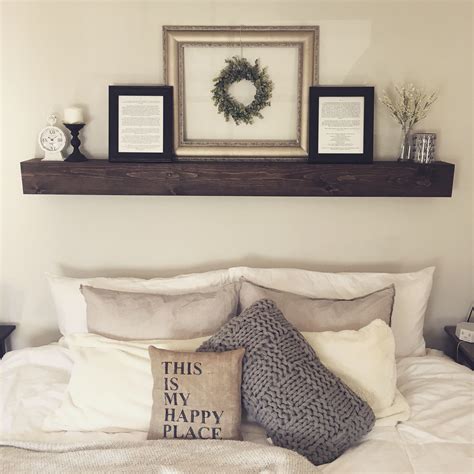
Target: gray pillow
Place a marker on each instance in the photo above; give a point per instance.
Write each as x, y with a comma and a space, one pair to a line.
128, 315
317, 314
300, 403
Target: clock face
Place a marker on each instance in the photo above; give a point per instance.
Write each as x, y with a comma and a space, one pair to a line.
52, 139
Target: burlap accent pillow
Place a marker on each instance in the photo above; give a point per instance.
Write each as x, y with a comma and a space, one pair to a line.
285, 388
196, 395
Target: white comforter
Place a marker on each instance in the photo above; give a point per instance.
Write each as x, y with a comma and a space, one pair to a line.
438, 437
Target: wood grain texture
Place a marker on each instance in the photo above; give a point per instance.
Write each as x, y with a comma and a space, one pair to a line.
220, 178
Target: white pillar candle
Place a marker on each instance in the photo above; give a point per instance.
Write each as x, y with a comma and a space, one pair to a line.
73, 115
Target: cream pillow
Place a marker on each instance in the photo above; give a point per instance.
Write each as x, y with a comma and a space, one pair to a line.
111, 384
365, 361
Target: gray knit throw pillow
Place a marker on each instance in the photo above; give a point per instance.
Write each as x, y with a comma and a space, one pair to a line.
301, 404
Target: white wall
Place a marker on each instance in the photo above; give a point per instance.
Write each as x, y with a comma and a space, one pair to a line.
58, 54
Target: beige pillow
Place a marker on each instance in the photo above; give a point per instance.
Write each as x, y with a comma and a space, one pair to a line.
196, 395
317, 314
131, 316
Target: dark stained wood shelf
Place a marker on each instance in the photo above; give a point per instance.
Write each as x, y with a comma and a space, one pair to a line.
220, 178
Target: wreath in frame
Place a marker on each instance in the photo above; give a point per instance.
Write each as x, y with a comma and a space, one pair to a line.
238, 69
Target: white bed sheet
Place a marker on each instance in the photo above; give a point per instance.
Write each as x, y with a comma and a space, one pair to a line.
32, 384
438, 437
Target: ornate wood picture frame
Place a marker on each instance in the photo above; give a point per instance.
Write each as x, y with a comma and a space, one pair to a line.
194, 56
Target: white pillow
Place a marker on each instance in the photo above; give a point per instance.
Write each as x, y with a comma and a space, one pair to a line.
110, 389
363, 359
71, 307
412, 291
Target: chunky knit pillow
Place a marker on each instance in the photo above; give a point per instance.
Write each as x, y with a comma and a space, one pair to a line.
300, 403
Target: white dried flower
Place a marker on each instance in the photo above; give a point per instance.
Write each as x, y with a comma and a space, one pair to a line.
409, 104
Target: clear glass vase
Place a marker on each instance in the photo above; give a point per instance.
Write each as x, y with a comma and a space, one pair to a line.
406, 152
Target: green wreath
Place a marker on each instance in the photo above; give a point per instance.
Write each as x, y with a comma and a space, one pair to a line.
239, 69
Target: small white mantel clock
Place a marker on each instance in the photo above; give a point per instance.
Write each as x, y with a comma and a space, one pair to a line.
52, 141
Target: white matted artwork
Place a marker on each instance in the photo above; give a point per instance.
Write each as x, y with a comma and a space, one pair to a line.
140, 124
195, 56
341, 125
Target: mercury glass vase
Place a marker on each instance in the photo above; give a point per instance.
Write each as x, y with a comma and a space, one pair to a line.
406, 151
424, 147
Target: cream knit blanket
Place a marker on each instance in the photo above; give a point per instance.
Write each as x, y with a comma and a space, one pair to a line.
162, 456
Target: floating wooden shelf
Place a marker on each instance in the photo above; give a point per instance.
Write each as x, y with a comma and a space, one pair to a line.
220, 178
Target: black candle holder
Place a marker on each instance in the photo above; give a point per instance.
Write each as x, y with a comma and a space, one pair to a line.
76, 155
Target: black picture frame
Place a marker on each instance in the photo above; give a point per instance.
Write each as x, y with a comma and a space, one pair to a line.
367, 92
115, 92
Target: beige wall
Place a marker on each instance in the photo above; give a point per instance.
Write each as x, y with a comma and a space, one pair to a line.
57, 54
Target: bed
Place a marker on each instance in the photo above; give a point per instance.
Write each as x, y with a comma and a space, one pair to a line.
437, 437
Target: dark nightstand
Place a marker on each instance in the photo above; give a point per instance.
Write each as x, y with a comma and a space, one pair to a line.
5, 331
463, 351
